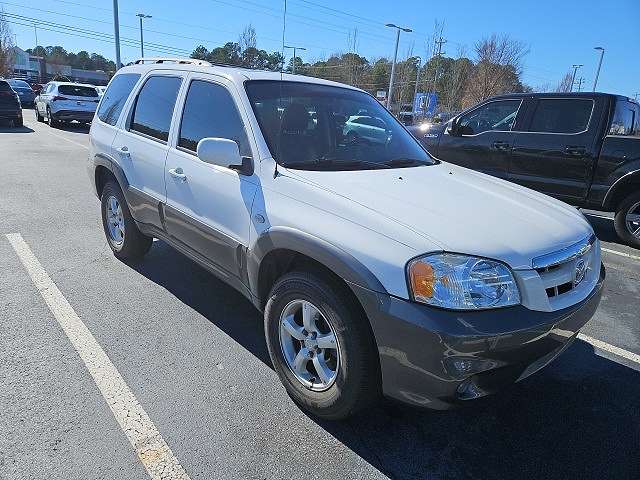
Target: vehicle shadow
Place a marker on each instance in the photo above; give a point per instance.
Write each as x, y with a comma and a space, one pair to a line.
603, 227
4, 128
74, 127
577, 418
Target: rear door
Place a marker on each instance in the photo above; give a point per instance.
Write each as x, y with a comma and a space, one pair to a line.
77, 98
484, 137
556, 152
8, 98
140, 148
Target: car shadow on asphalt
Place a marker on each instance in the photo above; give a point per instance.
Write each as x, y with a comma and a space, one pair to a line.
577, 418
74, 127
4, 128
603, 227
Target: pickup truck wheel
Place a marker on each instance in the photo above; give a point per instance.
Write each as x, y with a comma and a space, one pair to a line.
123, 236
627, 220
321, 347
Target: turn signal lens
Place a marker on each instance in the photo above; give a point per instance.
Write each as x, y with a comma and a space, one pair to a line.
462, 282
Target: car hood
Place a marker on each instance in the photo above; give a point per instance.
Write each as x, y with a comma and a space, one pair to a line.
458, 210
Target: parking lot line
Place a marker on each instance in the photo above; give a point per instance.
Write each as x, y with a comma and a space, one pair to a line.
153, 451
620, 352
64, 138
622, 254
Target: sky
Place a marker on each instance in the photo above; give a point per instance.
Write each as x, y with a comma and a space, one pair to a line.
558, 34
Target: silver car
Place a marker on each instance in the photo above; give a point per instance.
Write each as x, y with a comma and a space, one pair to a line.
65, 102
25, 93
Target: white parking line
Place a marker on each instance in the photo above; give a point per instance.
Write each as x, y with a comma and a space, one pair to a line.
620, 352
153, 451
622, 254
61, 137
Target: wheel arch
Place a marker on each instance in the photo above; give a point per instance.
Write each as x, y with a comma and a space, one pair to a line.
105, 168
625, 185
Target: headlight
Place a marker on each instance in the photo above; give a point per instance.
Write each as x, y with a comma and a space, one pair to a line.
461, 282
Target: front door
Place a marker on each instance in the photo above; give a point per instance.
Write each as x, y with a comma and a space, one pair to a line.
209, 206
483, 138
556, 152
141, 147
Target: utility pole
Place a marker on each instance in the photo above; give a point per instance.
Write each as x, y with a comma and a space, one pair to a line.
294, 48
436, 57
395, 59
580, 81
35, 30
595, 82
573, 78
141, 16
116, 32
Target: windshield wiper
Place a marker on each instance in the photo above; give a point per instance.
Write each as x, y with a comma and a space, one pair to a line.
348, 163
404, 162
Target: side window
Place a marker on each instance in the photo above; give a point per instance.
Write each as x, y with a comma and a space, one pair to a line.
209, 111
153, 109
115, 97
500, 115
561, 115
623, 119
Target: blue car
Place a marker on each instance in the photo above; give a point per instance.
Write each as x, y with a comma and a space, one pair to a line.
25, 93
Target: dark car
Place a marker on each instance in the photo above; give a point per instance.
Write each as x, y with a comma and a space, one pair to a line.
10, 108
25, 92
583, 148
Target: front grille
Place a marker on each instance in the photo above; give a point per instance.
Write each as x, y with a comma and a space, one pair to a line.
563, 271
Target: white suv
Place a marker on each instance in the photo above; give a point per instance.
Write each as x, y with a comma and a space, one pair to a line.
380, 270
63, 102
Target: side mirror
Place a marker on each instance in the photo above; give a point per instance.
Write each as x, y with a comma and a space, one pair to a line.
454, 127
225, 153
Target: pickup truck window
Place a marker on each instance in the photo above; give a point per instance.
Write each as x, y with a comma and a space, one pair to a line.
561, 115
499, 115
209, 111
308, 126
624, 119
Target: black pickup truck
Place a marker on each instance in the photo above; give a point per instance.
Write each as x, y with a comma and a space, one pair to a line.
583, 148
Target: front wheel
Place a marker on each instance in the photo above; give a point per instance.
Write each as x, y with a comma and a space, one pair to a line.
321, 346
123, 236
627, 220
50, 120
39, 117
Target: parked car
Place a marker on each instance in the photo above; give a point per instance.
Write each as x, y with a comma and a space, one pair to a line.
25, 93
364, 127
583, 148
378, 269
63, 102
10, 108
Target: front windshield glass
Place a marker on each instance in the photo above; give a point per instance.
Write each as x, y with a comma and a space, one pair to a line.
319, 127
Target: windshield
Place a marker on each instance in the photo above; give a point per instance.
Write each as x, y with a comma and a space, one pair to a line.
19, 84
320, 127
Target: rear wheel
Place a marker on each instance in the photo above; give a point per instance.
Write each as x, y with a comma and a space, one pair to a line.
50, 120
123, 236
39, 117
17, 123
321, 346
627, 220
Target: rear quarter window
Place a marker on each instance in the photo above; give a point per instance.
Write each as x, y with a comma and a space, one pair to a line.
116, 96
77, 91
561, 115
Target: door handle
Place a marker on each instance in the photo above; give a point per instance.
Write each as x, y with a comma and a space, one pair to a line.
501, 145
575, 151
124, 151
178, 174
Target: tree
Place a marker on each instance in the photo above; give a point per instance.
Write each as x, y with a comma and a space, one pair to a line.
7, 53
201, 53
565, 84
247, 38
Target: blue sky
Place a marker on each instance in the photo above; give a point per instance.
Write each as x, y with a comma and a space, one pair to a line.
558, 33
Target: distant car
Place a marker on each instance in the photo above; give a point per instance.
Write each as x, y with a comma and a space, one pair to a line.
10, 107
65, 102
371, 129
36, 87
25, 92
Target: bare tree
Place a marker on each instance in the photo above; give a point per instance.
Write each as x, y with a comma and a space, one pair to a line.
7, 54
498, 67
565, 84
247, 38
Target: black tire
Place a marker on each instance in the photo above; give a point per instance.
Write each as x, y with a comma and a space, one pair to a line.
620, 221
39, 117
18, 123
50, 120
135, 244
357, 384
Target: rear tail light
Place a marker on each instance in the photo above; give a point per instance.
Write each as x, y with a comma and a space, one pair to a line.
58, 97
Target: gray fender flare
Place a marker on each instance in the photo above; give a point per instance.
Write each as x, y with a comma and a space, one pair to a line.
101, 160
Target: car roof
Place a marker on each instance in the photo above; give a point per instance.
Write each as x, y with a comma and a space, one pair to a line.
235, 74
558, 95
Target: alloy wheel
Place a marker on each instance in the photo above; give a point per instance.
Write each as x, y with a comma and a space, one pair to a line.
632, 220
115, 221
309, 345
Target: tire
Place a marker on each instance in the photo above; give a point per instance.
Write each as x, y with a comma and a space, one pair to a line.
39, 117
18, 123
50, 120
356, 383
629, 206
133, 244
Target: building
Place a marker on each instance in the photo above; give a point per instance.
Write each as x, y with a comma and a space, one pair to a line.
37, 69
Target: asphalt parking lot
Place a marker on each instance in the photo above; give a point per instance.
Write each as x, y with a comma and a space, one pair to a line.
192, 351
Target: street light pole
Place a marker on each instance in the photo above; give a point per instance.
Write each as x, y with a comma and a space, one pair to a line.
415, 92
573, 78
141, 16
595, 82
116, 32
294, 48
395, 59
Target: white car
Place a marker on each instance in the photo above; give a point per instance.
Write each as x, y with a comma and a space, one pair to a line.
365, 127
379, 269
63, 102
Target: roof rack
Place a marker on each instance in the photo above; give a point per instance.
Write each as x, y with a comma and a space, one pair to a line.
178, 60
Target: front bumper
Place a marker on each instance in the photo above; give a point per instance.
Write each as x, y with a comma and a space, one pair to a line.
436, 358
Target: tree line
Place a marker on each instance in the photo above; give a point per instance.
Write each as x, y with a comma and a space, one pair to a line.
57, 55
